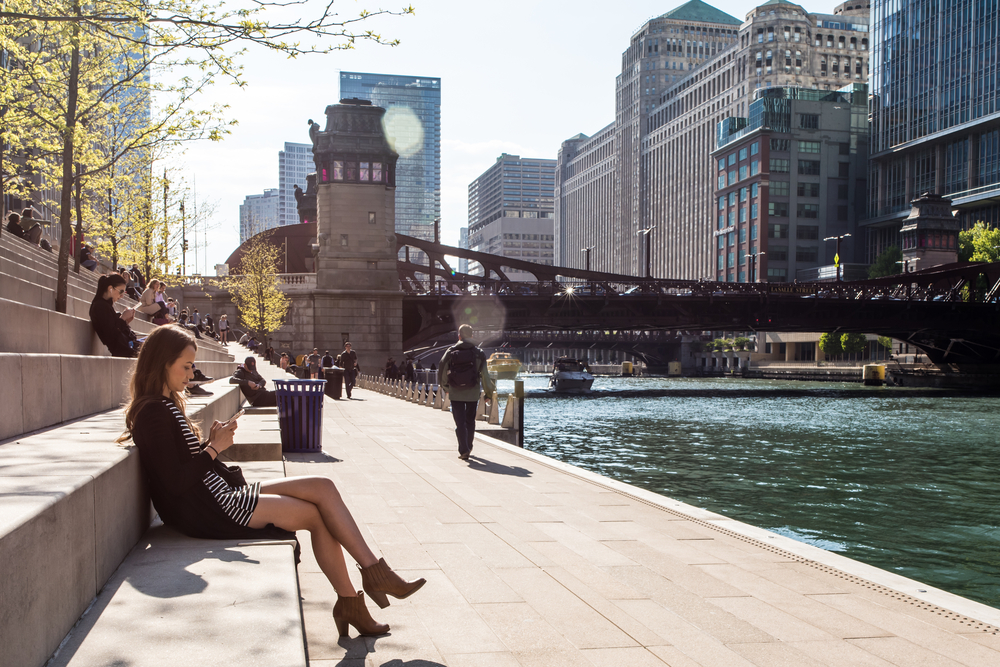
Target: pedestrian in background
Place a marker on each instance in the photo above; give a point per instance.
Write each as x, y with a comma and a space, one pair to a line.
464, 375
349, 362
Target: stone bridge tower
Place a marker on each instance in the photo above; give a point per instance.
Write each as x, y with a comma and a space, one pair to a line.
357, 295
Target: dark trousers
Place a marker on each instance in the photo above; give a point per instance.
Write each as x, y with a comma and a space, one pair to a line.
464, 414
350, 376
264, 399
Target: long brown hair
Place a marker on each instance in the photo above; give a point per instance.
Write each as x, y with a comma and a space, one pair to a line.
161, 349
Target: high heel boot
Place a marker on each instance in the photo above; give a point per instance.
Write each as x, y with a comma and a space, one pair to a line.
379, 579
352, 611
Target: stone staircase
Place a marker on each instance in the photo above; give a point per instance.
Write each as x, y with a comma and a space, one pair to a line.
75, 516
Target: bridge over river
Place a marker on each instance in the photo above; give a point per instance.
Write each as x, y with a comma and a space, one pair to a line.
950, 312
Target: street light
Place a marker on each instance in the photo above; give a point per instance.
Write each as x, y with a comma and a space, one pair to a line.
753, 264
836, 258
586, 255
648, 231
184, 243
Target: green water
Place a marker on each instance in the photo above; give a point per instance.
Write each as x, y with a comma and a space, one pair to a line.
905, 480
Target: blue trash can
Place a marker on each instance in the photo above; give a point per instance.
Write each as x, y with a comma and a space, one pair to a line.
300, 414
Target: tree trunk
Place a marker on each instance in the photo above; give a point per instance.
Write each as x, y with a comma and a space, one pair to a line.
65, 225
78, 238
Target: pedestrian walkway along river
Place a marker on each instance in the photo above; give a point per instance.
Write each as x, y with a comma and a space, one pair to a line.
902, 479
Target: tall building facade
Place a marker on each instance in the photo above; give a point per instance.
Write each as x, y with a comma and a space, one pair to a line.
463, 242
935, 112
586, 203
257, 213
511, 212
412, 125
787, 177
295, 162
671, 131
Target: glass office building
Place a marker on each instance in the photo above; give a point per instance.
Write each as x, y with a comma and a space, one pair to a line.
413, 127
935, 111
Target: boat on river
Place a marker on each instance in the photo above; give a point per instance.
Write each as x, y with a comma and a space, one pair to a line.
570, 376
503, 366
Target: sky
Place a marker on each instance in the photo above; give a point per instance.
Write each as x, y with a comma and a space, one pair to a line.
517, 77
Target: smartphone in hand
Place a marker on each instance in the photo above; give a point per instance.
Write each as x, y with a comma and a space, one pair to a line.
236, 416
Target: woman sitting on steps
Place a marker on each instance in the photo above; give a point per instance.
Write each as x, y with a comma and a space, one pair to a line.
200, 496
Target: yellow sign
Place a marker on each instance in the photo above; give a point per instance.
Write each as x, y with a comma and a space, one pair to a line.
836, 260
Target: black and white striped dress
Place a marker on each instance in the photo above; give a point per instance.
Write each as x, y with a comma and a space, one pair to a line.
239, 502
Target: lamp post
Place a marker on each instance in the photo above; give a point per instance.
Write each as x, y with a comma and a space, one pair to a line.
184, 243
647, 232
836, 258
753, 264
586, 255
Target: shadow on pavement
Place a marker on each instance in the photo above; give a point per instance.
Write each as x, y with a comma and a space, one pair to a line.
485, 465
311, 457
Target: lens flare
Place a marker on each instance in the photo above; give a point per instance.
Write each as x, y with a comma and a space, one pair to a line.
403, 131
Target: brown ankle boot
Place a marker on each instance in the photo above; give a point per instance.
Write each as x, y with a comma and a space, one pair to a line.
352, 611
379, 579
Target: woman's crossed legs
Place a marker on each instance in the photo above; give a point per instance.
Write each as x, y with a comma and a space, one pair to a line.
315, 504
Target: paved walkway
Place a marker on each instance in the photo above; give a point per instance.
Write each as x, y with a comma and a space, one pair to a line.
531, 562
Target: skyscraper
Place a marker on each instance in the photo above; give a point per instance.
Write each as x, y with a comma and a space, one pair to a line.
257, 213
295, 162
412, 125
935, 112
510, 212
684, 75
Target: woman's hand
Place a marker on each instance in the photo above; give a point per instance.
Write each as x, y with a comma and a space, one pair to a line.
221, 435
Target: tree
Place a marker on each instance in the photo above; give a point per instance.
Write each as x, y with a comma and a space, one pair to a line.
829, 343
741, 342
76, 63
853, 343
979, 244
260, 304
885, 342
886, 264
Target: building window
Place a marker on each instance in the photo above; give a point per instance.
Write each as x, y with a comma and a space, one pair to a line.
743, 213
732, 159
754, 167
371, 217
732, 177
754, 147
807, 211
779, 188
809, 146
732, 198
753, 190
809, 167
743, 236
743, 154
780, 145
779, 166
776, 231
808, 189
743, 194
842, 191
722, 203
777, 253
753, 211
807, 232
743, 172
808, 121
776, 275
844, 169
806, 253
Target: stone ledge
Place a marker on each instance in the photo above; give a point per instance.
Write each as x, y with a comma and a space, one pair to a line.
72, 505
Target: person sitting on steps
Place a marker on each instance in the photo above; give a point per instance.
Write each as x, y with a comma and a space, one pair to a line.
252, 384
112, 327
201, 497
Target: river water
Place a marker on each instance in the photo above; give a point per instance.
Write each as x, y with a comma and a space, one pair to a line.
902, 479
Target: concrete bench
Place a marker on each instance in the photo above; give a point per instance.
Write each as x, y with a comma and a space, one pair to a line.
41, 390
72, 506
32, 329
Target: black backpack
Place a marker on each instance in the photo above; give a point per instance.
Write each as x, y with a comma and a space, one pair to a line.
463, 368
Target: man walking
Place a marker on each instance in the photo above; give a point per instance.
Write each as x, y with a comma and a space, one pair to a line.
463, 375
349, 360
314, 361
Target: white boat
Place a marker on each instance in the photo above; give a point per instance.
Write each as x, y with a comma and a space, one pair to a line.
570, 375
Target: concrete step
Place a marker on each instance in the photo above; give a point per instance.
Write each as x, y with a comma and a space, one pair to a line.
45, 267
82, 286
41, 390
257, 438
33, 329
72, 506
181, 601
